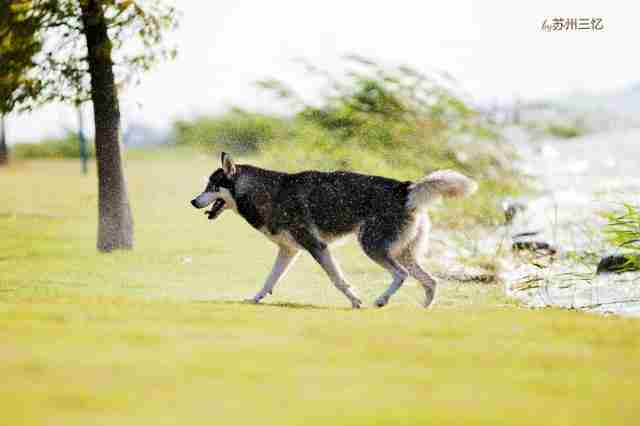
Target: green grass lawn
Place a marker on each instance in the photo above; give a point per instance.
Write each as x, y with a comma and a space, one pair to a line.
157, 336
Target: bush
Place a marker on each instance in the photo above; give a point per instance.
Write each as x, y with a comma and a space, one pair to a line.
67, 147
238, 131
379, 104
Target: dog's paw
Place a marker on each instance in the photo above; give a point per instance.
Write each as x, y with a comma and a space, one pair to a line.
428, 299
380, 302
356, 303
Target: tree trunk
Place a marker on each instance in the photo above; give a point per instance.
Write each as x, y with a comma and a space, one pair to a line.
115, 223
4, 153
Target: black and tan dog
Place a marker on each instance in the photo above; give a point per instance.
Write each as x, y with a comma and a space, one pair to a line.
310, 210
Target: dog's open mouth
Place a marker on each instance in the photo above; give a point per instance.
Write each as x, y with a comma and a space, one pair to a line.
216, 208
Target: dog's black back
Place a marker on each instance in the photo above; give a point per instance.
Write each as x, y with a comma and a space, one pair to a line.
333, 202
337, 202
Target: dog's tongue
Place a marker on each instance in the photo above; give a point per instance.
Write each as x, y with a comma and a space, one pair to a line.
216, 208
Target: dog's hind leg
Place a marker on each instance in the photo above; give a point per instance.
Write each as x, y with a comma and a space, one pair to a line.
409, 261
399, 274
320, 252
375, 239
286, 256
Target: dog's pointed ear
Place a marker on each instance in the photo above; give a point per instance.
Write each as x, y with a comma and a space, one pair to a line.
228, 166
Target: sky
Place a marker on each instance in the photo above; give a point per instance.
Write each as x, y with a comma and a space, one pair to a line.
495, 49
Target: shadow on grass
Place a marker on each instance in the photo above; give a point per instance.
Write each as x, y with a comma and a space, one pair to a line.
286, 305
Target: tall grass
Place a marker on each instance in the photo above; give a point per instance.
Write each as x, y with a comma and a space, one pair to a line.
623, 230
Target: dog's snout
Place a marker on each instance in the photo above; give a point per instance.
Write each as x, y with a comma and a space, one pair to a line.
203, 200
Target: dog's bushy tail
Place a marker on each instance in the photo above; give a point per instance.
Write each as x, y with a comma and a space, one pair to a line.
446, 183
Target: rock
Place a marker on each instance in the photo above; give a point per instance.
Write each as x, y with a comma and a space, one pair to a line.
480, 277
539, 247
617, 263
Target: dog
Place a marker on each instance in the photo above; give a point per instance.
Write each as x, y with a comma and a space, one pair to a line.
311, 209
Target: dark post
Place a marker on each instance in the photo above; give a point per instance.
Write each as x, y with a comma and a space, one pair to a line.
83, 141
4, 153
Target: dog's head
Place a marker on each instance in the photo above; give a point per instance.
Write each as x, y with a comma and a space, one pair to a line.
219, 190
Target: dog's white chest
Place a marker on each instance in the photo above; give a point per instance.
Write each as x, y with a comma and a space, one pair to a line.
282, 238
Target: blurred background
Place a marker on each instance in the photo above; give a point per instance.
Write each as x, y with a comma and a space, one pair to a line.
495, 50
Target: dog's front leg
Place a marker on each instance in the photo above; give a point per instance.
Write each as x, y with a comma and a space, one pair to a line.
286, 256
330, 266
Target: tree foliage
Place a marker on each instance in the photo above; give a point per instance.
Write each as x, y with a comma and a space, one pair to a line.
76, 50
18, 44
44, 52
